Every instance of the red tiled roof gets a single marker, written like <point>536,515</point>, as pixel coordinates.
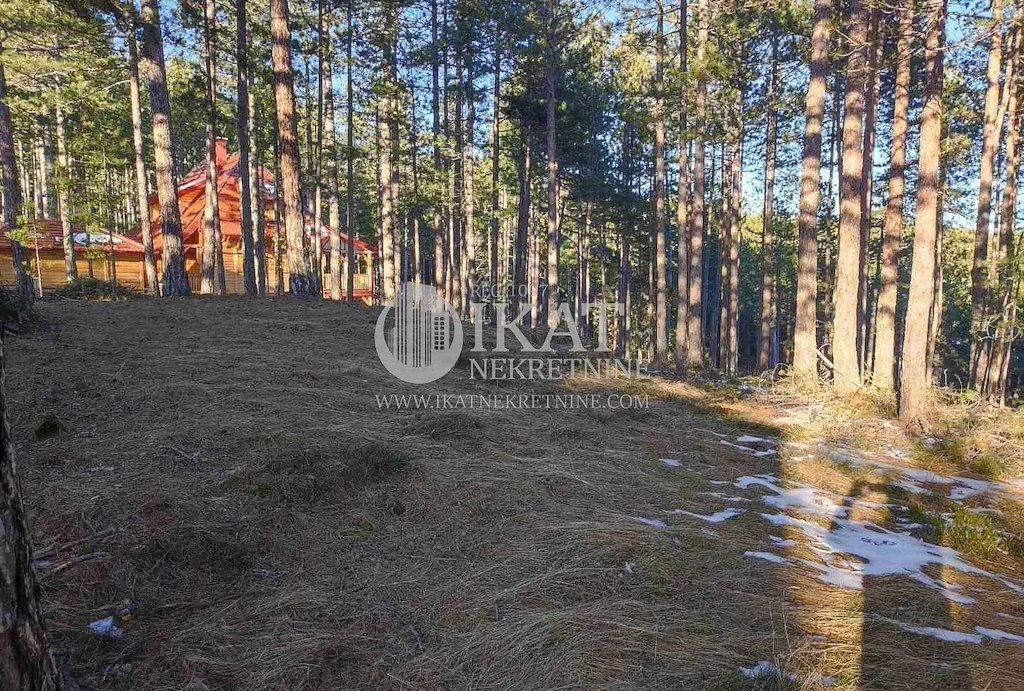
<point>192,204</point>
<point>49,234</point>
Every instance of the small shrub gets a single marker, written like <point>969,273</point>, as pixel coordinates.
<point>94,289</point>
<point>1014,546</point>
<point>943,451</point>
<point>972,534</point>
<point>987,464</point>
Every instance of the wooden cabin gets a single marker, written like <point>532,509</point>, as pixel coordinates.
<point>192,203</point>
<point>97,253</point>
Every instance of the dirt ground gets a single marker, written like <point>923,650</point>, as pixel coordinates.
<point>223,479</point>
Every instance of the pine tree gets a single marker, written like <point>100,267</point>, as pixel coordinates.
<point>913,376</point>
<point>175,280</point>
<point>300,282</point>
<point>245,178</point>
<point>805,341</point>
<point>885,322</point>
<point>845,321</point>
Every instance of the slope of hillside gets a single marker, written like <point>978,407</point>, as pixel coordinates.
<point>224,482</point>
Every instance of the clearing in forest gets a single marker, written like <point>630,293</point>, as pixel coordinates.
<point>217,473</point>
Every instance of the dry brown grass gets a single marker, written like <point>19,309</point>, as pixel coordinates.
<point>277,530</point>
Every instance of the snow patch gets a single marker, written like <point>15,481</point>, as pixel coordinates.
<point>767,556</point>
<point>800,498</point>
<point>881,553</point>
<point>748,439</point>
<point>943,634</point>
<point>950,636</point>
<point>653,522</point>
<point>997,635</point>
<point>718,517</point>
<point>672,462</point>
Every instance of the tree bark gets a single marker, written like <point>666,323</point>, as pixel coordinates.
<point>552,154</point>
<point>495,168</point>
<point>768,231</point>
<point>805,339</point>
<point>64,182</point>
<point>141,176</point>
<point>682,220</point>
<point>913,377</point>
<point>993,386</point>
<point>331,152</point>
<point>871,86</point>
<point>524,171</point>
<point>661,306</point>
<point>25,660</point>
<point>435,123</point>
<point>884,374</point>
<point>175,280</point>
<point>413,215</point>
<point>300,282</point>
<point>695,242</point>
<point>730,255</point>
<point>257,196</point>
<point>469,187</point>
<point>350,176</point>
<point>211,209</point>
<point>846,358</point>
<point>245,180</point>
<point>989,150</point>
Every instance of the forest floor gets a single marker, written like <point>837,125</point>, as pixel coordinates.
<point>218,474</point>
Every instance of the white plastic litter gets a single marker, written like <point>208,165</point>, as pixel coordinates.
<point>106,628</point>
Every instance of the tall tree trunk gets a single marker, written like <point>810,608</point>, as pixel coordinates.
<point>47,209</point>
<point>935,314</point>
<point>730,254</point>
<point>414,211</point>
<point>495,168</point>
<point>300,282</point>
<point>764,348</point>
<point>661,306</point>
<point>805,339</point>
<point>871,86</point>
<point>721,309</point>
<point>884,375</point>
<point>64,181</point>
<point>257,196</point>
<point>913,378</point>
<point>25,659</point>
<point>468,188</point>
<point>350,176</point>
<point>279,240</point>
<point>175,280</point>
<point>435,127</point>
<point>331,152</point>
<point>989,150</point>
<point>844,348</point>
<point>524,171</point>
<point>385,155</point>
<point>552,154</point>
<point>695,241</point>
<point>993,387</point>
<point>245,181</point>
<point>682,221</point>
<point>141,176</point>
<point>211,210</point>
